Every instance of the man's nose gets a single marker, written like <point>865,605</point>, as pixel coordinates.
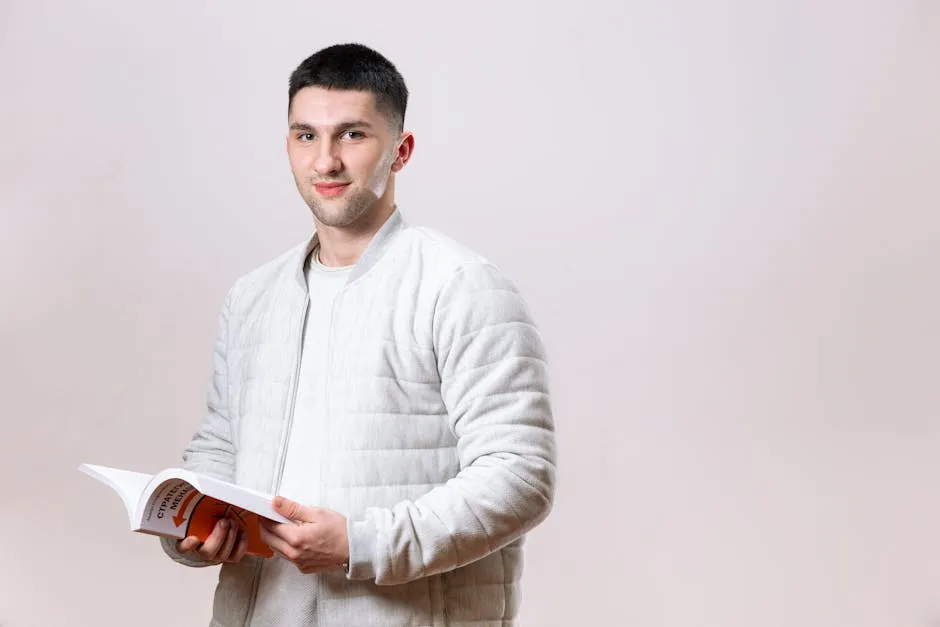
<point>327,162</point>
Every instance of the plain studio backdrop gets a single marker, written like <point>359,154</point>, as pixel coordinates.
<point>725,216</point>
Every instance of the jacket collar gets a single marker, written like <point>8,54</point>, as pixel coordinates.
<point>370,256</point>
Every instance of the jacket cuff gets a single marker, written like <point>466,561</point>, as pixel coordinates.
<point>361,535</point>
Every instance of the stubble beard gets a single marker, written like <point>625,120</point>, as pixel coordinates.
<point>357,204</point>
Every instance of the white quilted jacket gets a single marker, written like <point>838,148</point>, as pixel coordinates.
<point>439,439</point>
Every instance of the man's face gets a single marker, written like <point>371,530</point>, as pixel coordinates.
<point>342,151</point>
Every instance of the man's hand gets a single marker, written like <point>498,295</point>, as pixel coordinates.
<point>226,543</point>
<point>316,540</point>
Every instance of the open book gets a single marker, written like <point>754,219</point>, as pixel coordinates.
<point>177,503</point>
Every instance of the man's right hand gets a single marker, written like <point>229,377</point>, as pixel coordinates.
<point>225,544</point>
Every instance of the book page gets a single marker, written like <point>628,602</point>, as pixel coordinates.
<point>178,510</point>
<point>243,497</point>
<point>129,485</point>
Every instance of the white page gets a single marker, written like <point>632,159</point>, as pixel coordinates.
<point>252,500</point>
<point>245,498</point>
<point>128,484</point>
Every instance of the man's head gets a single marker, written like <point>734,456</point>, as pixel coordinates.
<point>346,111</point>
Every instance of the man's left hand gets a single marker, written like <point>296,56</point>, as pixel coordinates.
<point>315,541</point>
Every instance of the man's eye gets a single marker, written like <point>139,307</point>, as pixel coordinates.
<point>353,134</point>
<point>305,137</point>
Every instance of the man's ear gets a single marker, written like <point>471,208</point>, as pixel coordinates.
<point>406,146</point>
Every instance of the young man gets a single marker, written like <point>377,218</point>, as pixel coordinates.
<point>387,383</point>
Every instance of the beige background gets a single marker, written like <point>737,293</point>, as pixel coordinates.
<point>725,215</point>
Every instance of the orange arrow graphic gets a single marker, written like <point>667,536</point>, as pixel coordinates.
<point>179,518</point>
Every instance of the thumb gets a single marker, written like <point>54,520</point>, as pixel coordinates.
<point>291,509</point>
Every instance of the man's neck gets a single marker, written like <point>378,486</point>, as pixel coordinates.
<point>340,247</point>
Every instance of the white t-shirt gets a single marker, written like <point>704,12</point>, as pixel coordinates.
<point>305,438</point>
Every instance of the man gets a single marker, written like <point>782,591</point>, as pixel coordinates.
<point>385,382</point>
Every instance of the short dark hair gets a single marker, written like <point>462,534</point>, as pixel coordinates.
<point>356,67</point>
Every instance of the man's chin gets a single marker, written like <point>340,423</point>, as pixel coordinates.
<point>336,217</point>
<point>343,214</point>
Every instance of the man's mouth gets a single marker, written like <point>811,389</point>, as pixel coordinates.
<point>330,190</point>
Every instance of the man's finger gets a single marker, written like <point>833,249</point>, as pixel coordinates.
<point>241,547</point>
<point>188,544</point>
<point>276,542</point>
<point>285,531</point>
<point>291,509</point>
<point>229,542</point>
<point>210,548</point>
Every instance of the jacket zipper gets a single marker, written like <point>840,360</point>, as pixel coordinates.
<point>324,436</point>
<point>326,394</point>
<point>282,454</point>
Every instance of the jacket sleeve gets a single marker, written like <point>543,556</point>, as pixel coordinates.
<point>494,384</point>
<point>210,451</point>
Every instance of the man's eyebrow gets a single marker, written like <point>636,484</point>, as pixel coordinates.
<point>345,126</point>
<point>339,128</point>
